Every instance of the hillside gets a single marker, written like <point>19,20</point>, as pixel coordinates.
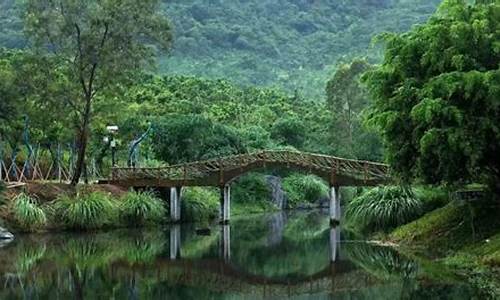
<point>293,44</point>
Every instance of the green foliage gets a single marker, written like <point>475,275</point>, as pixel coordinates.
<point>384,208</point>
<point>97,45</point>
<point>27,214</point>
<point>304,188</point>
<point>289,131</point>
<point>251,188</point>
<point>199,204</point>
<point>452,227</point>
<point>346,100</point>
<point>86,211</point>
<point>189,138</point>
<point>436,96</point>
<point>289,44</point>
<point>141,208</point>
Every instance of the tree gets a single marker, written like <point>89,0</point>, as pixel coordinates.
<point>437,96</point>
<point>289,131</point>
<point>347,99</point>
<point>98,44</point>
<point>185,138</point>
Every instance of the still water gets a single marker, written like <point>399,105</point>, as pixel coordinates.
<point>272,256</point>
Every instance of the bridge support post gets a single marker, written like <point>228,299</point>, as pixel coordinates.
<point>334,209</point>
<point>175,204</point>
<point>225,204</point>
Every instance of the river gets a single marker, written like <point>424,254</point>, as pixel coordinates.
<point>272,256</point>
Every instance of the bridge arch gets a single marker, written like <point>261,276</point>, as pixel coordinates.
<point>221,172</point>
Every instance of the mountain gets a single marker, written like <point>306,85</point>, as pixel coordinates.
<point>293,44</point>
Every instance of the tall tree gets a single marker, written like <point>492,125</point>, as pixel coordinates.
<point>99,45</point>
<point>438,96</point>
<point>347,99</point>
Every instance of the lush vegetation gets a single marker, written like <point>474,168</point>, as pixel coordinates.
<point>86,211</point>
<point>27,214</point>
<point>304,189</point>
<point>293,44</point>
<point>142,208</point>
<point>436,97</point>
<point>384,207</point>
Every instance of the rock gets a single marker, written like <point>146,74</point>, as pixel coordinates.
<point>5,237</point>
<point>203,231</point>
<point>278,196</point>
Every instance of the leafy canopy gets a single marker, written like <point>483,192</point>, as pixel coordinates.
<point>437,96</point>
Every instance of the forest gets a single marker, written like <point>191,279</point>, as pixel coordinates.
<point>90,88</point>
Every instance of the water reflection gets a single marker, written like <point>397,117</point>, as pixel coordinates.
<point>277,255</point>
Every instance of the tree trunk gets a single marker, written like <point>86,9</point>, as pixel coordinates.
<point>83,138</point>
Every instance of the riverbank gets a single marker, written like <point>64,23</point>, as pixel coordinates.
<point>464,236</point>
<point>48,207</point>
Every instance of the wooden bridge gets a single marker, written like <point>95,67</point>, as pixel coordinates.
<point>221,172</point>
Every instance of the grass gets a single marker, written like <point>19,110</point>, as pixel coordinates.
<point>87,211</point>
<point>452,227</point>
<point>382,208</point>
<point>27,214</point>
<point>141,208</point>
<point>466,235</point>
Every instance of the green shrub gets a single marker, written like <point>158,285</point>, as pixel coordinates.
<point>304,188</point>
<point>384,208</point>
<point>251,187</point>
<point>199,204</point>
<point>432,198</point>
<point>138,209</point>
<point>86,211</point>
<point>27,214</point>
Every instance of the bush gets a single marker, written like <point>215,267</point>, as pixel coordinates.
<point>251,187</point>
<point>86,211</point>
<point>138,209</point>
<point>27,214</point>
<point>199,204</point>
<point>304,188</point>
<point>384,208</point>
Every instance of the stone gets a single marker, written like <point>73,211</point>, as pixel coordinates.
<point>5,237</point>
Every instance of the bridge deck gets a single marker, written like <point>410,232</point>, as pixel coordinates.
<point>218,172</point>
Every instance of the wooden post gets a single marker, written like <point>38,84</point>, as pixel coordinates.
<point>225,204</point>
<point>175,204</point>
<point>334,208</point>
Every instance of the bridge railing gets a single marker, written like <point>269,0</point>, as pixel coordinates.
<point>354,168</point>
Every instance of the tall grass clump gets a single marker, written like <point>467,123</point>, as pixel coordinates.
<point>304,188</point>
<point>86,211</point>
<point>199,204</point>
<point>27,214</point>
<point>383,208</point>
<point>141,208</point>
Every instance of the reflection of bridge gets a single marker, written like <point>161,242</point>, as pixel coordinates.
<point>221,275</point>
<point>221,172</point>
<point>225,243</point>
